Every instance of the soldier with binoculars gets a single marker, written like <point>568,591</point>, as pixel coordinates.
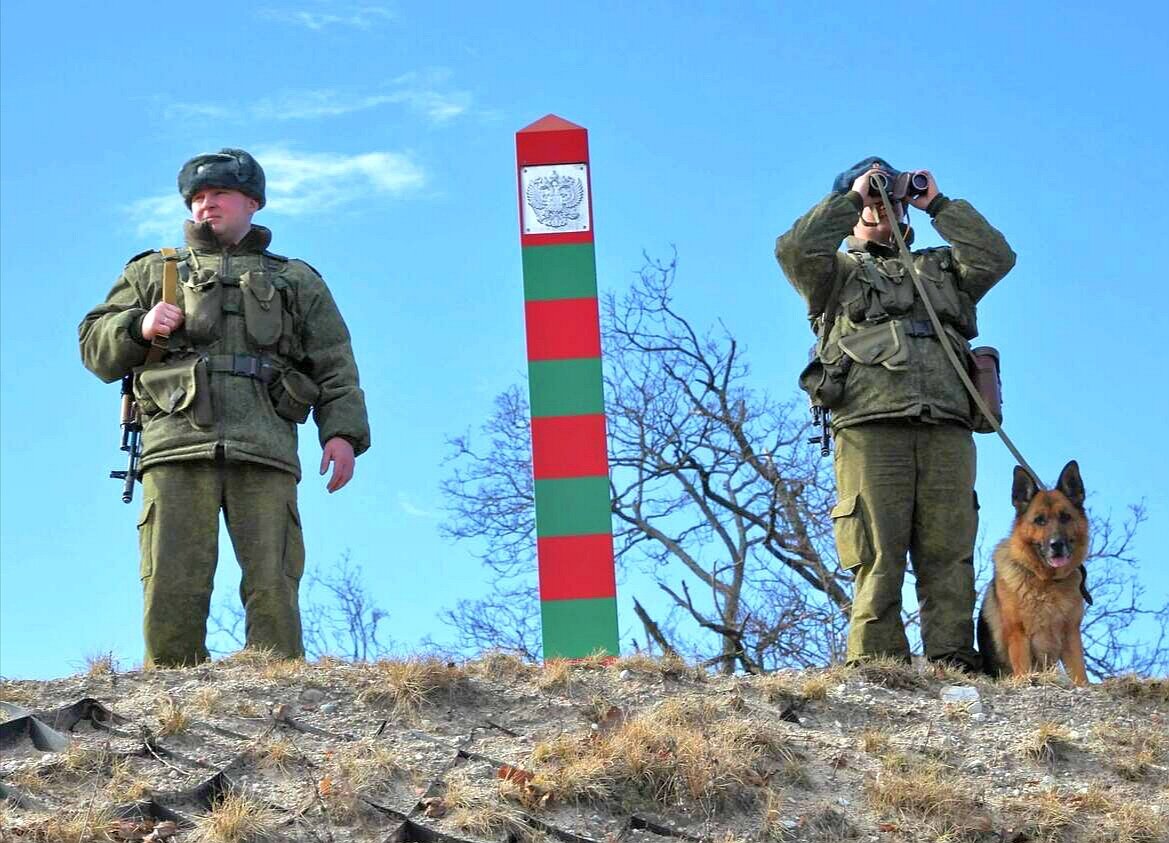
<point>901,417</point>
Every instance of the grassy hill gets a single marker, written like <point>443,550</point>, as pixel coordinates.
<point>251,748</point>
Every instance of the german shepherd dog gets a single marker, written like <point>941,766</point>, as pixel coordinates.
<point>1031,613</point>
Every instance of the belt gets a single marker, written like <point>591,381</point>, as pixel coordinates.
<point>243,365</point>
<point>918,328</point>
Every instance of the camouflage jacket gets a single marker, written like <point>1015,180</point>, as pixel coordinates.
<point>262,341</point>
<point>881,347</point>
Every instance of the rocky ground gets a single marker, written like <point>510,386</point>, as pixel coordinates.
<point>250,748</point>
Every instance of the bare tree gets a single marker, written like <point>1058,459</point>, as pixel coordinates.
<point>715,491</point>
<point>1110,647</point>
<point>491,499</point>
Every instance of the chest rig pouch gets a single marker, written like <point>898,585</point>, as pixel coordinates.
<point>263,308</point>
<point>201,297</point>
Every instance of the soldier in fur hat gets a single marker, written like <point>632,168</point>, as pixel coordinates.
<point>223,376</point>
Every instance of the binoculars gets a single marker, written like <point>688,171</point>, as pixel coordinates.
<point>898,185</point>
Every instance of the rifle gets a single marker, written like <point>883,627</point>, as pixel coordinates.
<point>131,439</point>
<point>821,418</point>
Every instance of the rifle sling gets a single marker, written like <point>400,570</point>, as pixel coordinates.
<point>170,282</point>
<point>947,346</point>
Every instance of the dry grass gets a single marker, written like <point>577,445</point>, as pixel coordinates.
<point>79,760</point>
<point>682,749</point>
<point>825,824</point>
<point>17,693</point>
<point>100,665</point>
<point>669,665</point>
<point>556,675</point>
<point>1047,744</point>
<point>475,807</point>
<point>1143,750</point>
<point>172,717</point>
<point>30,779</point>
<point>926,790</point>
<point>276,752</point>
<point>1046,817</point>
<point>237,819</point>
<point>87,826</point>
<point>208,700</point>
<point>789,686</point>
<point>771,824</point>
<point>1133,687</point>
<point>267,663</point>
<point>249,708</point>
<point>350,772</point>
<point>501,667</point>
<point>1133,822</point>
<point>366,762</point>
<point>124,785</point>
<point>874,740</point>
<point>408,685</point>
<point>891,673</point>
<point>1052,677</point>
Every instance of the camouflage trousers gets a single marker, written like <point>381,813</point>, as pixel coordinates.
<point>907,489</point>
<point>178,535</point>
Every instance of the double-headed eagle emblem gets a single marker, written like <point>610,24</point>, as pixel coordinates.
<point>555,199</point>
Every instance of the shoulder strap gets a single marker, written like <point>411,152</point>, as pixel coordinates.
<point>828,315</point>
<point>947,346</point>
<point>170,282</point>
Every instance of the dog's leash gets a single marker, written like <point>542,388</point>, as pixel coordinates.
<point>947,346</point>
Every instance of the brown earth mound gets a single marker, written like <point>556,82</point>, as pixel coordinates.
<point>253,749</point>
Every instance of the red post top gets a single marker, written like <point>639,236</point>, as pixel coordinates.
<point>552,140</point>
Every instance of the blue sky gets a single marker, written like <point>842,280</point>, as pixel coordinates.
<point>387,132</point>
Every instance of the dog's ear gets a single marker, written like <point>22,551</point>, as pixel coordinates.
<point>1071,485</point>
<point>1022,489</point>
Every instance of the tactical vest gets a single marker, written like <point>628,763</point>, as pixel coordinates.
<point>876,311</point>
<point>263,297</point>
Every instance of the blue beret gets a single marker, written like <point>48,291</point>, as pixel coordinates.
<point>843,182</point>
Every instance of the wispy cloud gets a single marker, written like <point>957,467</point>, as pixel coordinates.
<point>325,14</point>
<point>428,94</point>
<point>298,183</point>
<point>304,182</point>
<point>158,217</point>
<point>412,510</point>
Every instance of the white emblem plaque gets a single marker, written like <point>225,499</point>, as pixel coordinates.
<point>556,198</point>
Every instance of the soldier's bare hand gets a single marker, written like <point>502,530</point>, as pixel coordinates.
<point>922,202</point>
<point>161,320</point>
<point>861,185</point>
<point>339,452</point>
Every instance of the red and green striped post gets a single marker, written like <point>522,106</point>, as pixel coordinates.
<point>574,532</point>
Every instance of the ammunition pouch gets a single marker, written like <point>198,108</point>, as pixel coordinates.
<point>180,385</point>
<point>824,382</point>
<point>202,303</point>
<point>263,308</point>
<point>983,368</point>
<point>293,395</point>
<point>883,344</point>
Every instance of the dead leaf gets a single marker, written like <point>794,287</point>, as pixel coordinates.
<point>130,829</point>
<point>513,774</point>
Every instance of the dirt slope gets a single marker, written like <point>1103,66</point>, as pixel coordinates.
<point>638,750</point>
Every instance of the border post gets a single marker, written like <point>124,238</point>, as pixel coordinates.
<point>570,463</point>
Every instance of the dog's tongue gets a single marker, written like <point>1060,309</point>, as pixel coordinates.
<point>1058,561</point>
